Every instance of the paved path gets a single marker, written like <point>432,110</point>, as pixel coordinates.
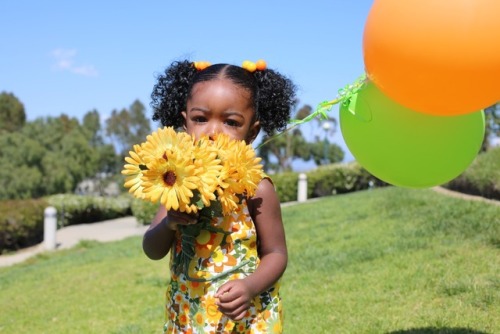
<point>67,237</point>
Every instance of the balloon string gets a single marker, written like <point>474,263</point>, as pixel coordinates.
<point>344,95</point>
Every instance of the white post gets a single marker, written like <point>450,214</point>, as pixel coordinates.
<point>302,188</point>
<point>49,228</point>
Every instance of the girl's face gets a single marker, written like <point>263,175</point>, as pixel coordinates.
<point>220,106</point>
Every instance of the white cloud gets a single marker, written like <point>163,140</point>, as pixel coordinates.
<point>86,70</point>
<point>64,61</point>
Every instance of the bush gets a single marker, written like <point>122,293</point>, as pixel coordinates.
<point>339,179</point>
<point>143,211</point>
<point>482,178</point>
<point>21,223</point>
<point>286,186</point>
<point>78,209</point>
<point>325,181</point>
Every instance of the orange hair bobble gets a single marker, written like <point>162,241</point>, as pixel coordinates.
<point>261,64</point>
<point>250,66</point>
<point>201,65</point>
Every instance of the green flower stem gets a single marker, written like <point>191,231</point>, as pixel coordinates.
<point>213,278</point>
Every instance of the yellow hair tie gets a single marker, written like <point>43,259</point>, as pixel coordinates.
<point>250,66</point>
<point>201,65</point>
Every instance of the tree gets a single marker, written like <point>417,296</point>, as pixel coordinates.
<point>291,145</point>
<point>73,161</point>
<point>322,152</point>
<point>66,157</point>
<point>108,160</point>
<point>128,127</point>
<point>53,154</point>
<point>12,114</point>
<point>284,148</point>
<point>92,127</point>
<point>20,175</point>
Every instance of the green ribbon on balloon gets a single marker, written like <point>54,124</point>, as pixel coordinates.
<point>344,96</point>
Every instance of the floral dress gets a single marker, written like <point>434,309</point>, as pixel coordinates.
<point>225,251</point>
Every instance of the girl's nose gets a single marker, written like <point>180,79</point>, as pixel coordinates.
<point>213,130</point>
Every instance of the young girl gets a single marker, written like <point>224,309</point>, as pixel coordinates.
<point>251,256</point>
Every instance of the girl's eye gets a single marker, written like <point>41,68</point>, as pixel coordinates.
<point>233,123</point>
<point>199,119</point>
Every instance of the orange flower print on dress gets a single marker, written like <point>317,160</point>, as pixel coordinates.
<point>220,260</point>
<point>196,289</point>
<point>207,241</point>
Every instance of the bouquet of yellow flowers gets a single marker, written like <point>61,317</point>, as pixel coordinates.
<point>208,176</point>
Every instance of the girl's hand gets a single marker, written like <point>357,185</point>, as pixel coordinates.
<point>234,299</point>
<point>175,218</point>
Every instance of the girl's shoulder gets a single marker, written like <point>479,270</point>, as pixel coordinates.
<point>265,185</point>
<point>266,194</point>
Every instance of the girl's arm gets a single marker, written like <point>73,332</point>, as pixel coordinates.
<point>235,296</point>
<point>160,235</point>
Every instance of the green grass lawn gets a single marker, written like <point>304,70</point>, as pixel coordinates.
<point>389,260</point>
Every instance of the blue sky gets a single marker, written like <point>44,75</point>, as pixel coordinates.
<point>71,57</point>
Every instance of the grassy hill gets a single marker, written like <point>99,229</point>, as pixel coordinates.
<point>387,260</point>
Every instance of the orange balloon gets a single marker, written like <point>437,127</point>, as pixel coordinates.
<point>439,57</point>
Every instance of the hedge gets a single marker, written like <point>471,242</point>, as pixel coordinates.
<point>83,209</point>
<point>325,181</point>
<point>21,223</point>
<point>143,211</point>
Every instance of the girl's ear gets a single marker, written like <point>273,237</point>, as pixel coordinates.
<point>253,132</point>
<point>184,114</point>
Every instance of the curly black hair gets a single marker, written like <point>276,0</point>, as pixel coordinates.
<point>272,93</point>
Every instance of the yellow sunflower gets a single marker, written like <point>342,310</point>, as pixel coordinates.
<point>134,171</point>
<point>171,175</point>
<point>245,170</point>
<point>171,180</point>
<point>208,167</point>
<point>228,199</point>
<point>166,140</point>
<point>240,174</point>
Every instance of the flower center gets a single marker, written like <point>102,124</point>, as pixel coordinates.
<point>169,178</point>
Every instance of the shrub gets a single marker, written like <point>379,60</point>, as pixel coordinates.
<point>286,185</point>
<point>143,211</point>
<point>21,223</point>
<point>326,180</point>
<point>339,179</point>
<point>78,209</point>
<point>482,177</point>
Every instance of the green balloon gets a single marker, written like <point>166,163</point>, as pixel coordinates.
<point>408,148</point>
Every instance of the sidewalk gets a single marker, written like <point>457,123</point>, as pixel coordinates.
<point>67,237</point>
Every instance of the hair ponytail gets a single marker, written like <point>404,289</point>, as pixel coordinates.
<point>170,93</point>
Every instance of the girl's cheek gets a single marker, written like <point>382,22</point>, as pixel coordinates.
<point>197,132</point>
